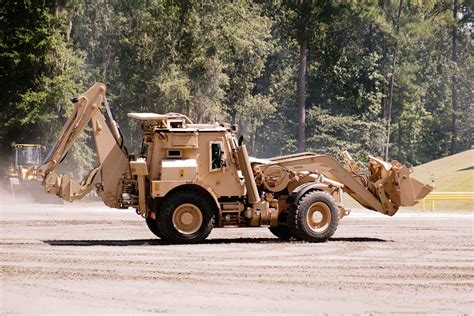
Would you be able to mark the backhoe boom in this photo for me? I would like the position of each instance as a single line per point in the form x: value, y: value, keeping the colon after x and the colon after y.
x: 113, y: 161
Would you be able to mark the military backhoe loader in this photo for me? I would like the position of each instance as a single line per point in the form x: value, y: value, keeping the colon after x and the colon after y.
x: 190, y: 178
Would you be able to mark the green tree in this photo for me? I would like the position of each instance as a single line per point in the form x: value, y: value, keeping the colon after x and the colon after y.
x: 40, y: 71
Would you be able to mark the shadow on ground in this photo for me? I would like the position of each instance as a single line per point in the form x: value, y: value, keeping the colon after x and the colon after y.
x: 158, y: 242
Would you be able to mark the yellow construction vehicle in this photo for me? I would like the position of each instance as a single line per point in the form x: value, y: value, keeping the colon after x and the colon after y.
x: 22, y: 174
x: 189, y: 178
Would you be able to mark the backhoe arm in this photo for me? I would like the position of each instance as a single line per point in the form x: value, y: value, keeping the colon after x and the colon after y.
x: 113, y: 161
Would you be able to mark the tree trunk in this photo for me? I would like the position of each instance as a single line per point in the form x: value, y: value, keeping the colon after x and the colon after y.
x: 454, y: 92
x: 400, y: 141
x: 391, y: 81
x: 301, y: 96
x: 390, y: 100
x: 108, y: 49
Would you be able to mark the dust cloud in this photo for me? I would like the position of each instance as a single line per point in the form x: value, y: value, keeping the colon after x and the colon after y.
x: 8, y: 198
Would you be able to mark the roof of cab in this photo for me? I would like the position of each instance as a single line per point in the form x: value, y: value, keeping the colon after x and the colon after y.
x: 154, y: 116
x: 187, y: 127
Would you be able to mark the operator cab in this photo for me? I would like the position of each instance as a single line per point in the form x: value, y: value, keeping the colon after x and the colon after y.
x: 28, y: 155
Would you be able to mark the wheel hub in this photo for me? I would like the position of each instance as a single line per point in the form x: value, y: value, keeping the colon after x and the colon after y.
x: 187, y: 219
x: 318, y: 216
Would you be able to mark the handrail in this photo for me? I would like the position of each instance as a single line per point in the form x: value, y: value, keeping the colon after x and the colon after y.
x: 446, y: 196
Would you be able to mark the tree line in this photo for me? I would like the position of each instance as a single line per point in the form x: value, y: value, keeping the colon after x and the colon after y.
x: 393, y: 78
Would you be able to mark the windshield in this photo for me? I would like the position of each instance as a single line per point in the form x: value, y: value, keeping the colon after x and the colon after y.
x: 28, y: 156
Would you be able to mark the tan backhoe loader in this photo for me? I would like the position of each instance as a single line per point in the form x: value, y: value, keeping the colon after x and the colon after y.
x: 190, y: 178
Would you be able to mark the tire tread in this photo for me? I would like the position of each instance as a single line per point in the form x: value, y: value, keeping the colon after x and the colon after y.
x: 171, y: 202
x: 297, y: 214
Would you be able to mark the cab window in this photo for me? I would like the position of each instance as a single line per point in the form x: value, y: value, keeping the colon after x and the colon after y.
x: 217, y: 156
x: 144, y: 150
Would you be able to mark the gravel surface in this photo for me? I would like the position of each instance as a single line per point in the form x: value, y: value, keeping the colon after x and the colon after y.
x: 86, y: 258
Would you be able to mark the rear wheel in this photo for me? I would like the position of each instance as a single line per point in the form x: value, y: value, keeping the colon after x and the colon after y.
x: 185, y: 217
x: 315, y: 217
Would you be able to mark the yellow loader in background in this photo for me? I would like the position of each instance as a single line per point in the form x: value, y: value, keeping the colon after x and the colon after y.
x: 22, y: 180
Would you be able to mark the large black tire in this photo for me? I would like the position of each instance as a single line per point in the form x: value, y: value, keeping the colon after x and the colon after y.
x: 185, y: 217
x: 281, y: 231
x: 314, y: 218
x: 153, y: 227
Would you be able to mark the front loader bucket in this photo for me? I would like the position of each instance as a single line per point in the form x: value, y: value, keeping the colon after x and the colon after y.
x: 399, y: 189
x: 411, y: 190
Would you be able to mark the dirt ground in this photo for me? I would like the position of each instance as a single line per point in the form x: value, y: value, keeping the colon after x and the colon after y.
x: 86, y: 258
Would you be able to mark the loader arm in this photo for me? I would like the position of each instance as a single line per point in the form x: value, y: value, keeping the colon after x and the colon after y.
x: 113, y: 160
x: 385, y: 189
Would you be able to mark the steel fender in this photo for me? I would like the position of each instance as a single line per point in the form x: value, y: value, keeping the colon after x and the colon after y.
x: 197, y: 186
x: 301, y: 190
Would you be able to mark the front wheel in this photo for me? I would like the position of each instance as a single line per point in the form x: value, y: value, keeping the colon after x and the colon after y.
x: 153, y: 227
x: 185, y: 217
x: 281, y: 231
x: 315, y: 217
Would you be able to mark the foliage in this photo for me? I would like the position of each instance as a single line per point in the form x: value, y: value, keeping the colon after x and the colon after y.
x: 41, y: 70
x: 333, y: 134
x: 238, y: 62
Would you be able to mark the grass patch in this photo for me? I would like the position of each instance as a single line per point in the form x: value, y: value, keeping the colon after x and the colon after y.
x: 451, y: 174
